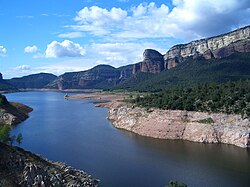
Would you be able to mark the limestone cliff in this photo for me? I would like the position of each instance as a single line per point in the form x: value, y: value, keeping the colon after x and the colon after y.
x: 176, y: 124
x: 215, y: 47
x: 153, y: 62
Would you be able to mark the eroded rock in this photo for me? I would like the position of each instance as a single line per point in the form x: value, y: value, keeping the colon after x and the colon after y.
x: 177, y: 124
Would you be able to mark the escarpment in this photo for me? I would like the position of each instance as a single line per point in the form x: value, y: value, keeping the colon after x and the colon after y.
x: 153, y: 62
x: 215, y: 47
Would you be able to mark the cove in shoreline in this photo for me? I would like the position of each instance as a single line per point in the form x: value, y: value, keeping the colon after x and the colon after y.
x: 174, y: 124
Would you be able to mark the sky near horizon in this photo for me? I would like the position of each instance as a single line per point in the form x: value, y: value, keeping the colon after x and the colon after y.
x: 57, y: 36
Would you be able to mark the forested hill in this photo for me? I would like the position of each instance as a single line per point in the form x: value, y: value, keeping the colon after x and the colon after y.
x: 192, y: 71
x: 230, y: 98
x: 34, y: 81
x: 4, y: 85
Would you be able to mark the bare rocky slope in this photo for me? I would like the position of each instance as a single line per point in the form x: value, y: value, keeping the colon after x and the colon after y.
x: 13, y: 113
x: 175, y: 124
x: 20, y: 168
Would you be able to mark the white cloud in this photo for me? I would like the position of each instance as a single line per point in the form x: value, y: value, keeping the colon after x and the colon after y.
x: 57, y: 68
x: 99, y: 21
x: 66, y: 48
x: 3, y: 51
x: 23, y: 67
x: 30, y: 49
x: 71, y: 35
x: 119, y: 54
x: 186, y: 20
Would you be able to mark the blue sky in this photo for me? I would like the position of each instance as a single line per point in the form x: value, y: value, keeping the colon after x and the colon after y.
x: 58, y: 36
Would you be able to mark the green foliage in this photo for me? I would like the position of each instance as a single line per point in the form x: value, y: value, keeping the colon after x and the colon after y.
x: 5, y: 136
x: 3, y: 100
x: 192, y: 71
x: 206, y: 121
x: 230, y: 97
x: 176, y: 184
x: 19, y: 138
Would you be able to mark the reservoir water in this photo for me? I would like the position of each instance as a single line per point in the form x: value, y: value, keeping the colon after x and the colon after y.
x: 78, y: 133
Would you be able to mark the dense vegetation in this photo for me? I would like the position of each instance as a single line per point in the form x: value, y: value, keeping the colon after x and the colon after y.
x: 35, y: 81
x: 230, y: 98
x: 3, y: 100
x: 6, y: 86
x: 5, y: 136
x: 192, y: 71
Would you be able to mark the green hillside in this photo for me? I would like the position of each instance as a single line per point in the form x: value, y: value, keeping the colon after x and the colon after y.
x: 192, y: 71
x: 34, y: 81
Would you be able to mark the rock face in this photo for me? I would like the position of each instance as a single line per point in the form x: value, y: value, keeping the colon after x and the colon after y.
x: 21, y: 168
x: 215, y: 47
x: 1, y: 76
x: 99, y: 77
x: 169, y: 124
x: 35, y: 81
x: 153, y: 62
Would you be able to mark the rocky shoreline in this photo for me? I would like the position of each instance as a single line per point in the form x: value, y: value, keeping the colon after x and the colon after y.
x: 22, y: 168
x: 201, y: 127
x: 14, y: 113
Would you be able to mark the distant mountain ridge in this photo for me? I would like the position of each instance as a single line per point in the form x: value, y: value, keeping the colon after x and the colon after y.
x: 155, y: 67
x: 99, y: 77
x: 4, y: 85
x: 34, y: 81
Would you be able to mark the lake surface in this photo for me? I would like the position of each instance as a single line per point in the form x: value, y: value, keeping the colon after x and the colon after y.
x: 78, y: 133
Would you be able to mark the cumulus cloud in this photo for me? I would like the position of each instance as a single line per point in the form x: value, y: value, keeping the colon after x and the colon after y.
x: 3, y: 51
x: 186, y: 20
x: 99, y: 21
x: 118, y: 54
x: 30, y: 49
x: 66, y: 48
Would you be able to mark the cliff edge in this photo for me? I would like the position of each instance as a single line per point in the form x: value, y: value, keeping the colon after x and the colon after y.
x: 237, y: 41
x: 176, y: 124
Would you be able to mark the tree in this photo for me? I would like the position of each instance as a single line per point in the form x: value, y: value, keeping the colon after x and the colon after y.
x: 5, y: 134
x: 19, y: 138
x: 3, y: 100
x: 176, y: 184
